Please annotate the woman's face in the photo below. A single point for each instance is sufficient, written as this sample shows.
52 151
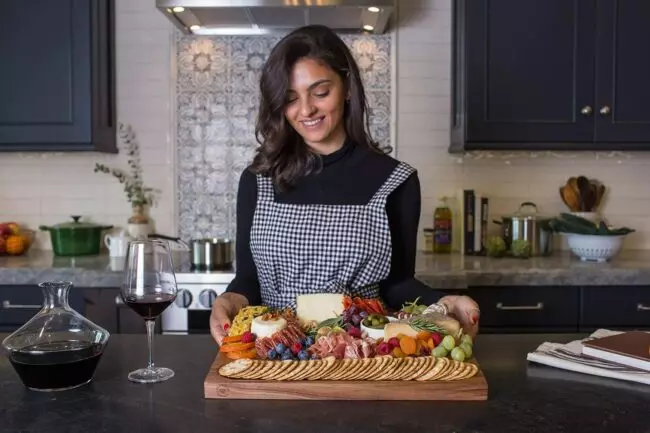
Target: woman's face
315 105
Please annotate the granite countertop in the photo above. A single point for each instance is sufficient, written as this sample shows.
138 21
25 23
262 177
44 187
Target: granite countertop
521 397
452 271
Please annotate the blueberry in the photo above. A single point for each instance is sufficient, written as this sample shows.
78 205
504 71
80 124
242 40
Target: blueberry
272 354
279 348
309 341
314 357
286 356
303 356
363 314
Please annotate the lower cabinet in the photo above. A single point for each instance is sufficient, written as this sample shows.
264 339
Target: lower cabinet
102 306
561 309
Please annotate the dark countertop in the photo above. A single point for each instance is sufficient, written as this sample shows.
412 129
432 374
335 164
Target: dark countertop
522 398
452 271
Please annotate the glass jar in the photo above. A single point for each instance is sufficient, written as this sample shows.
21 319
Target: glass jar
58 348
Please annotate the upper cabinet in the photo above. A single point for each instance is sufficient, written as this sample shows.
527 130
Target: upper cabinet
57 76
550 75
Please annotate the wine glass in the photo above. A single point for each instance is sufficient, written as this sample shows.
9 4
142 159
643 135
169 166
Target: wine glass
149 287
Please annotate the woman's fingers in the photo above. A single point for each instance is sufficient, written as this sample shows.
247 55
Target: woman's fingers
468 314
219 321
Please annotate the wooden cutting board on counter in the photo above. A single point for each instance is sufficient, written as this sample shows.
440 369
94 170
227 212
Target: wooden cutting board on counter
219 387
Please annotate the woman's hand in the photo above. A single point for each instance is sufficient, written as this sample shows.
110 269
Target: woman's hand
224 309
465 310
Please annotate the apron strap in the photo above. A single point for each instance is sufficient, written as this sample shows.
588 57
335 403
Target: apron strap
265 191
402 172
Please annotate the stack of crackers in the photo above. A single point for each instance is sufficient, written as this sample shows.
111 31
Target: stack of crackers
379 368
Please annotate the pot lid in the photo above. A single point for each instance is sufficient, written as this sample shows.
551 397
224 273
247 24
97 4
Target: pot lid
528 210
75 224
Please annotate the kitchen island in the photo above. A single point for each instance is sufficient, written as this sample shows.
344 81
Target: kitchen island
523 397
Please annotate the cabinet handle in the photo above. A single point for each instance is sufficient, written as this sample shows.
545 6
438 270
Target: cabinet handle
539 306
119 301
605 110
6 305
641 307
586 110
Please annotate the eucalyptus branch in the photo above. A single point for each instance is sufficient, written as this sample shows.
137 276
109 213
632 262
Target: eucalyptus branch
136 192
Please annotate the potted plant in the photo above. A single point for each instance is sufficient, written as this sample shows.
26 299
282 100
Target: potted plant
137 193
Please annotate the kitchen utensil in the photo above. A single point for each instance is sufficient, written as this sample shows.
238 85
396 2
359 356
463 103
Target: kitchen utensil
600 193
76 238
586 202
594 247
117 244
58 348
206 254
529 226
149 287
570 198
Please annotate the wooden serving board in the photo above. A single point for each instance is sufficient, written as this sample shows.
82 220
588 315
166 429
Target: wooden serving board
219 387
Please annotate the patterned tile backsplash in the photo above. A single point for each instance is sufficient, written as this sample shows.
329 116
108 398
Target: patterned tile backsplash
217 97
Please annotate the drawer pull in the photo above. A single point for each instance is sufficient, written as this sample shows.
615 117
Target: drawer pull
6 305
539 306
641 307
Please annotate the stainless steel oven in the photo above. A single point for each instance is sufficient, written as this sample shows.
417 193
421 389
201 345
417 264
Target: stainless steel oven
190 313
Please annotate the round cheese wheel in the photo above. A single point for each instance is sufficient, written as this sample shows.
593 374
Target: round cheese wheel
265 328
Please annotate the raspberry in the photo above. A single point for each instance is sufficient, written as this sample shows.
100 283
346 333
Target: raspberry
383 348
436 337
393 342
296 348
248 337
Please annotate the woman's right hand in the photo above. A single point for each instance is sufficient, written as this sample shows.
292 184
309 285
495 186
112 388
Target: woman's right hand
224 309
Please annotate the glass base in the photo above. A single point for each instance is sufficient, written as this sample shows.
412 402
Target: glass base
151 375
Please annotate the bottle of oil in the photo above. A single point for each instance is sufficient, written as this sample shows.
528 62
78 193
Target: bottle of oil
442 229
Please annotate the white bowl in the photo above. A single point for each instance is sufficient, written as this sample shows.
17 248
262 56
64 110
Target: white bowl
595 248
376 333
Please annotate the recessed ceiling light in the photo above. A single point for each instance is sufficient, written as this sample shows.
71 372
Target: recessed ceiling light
373 9
178 9
195 27
368 27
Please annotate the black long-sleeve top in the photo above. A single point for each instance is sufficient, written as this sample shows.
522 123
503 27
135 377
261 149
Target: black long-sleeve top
351 175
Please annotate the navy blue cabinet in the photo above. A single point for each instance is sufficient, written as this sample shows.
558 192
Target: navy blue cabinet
550 75
57 77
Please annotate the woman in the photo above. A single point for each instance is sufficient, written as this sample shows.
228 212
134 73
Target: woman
322 208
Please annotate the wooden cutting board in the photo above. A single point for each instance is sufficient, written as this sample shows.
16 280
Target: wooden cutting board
219 387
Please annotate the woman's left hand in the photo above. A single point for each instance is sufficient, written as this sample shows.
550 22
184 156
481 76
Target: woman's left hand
465 310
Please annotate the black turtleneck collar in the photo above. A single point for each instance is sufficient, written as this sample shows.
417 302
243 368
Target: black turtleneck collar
338 154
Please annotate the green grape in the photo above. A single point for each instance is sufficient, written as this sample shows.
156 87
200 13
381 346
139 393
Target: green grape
458 354
466 339
439 352
467 348
448 342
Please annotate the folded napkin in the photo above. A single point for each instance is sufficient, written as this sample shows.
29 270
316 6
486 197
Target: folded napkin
569 357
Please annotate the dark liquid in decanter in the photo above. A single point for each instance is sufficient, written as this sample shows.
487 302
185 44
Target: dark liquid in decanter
58 365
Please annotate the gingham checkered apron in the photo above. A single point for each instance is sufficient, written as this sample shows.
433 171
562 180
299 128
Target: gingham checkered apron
314 248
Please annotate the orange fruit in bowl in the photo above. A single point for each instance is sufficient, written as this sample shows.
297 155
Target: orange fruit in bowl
15 245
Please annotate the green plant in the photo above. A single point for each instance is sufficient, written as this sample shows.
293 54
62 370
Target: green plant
136 192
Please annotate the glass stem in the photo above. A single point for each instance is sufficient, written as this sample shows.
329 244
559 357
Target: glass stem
150 331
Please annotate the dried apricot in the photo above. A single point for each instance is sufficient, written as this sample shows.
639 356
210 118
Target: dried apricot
248 354
232 339
408 345
236 347
423 335
397 353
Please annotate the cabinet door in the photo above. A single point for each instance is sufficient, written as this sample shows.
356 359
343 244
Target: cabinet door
56 75
529 71
623 73
615 307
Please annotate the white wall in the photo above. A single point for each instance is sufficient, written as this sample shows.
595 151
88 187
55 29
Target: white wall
41 188
422 137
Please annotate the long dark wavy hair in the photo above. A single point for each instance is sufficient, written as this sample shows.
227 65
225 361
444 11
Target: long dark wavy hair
282 154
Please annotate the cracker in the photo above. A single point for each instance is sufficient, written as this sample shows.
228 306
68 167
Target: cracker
469 372
236 367
280 368
288 371
252 372
331 364
387 369
308 367
425 365
414 366
439 366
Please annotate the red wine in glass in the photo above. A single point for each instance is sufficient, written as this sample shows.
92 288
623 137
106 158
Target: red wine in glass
149 287
149 306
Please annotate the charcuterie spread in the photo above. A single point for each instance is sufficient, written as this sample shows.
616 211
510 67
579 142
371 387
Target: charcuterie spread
336 337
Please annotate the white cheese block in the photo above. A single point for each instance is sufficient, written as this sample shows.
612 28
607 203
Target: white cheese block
319 306
265 328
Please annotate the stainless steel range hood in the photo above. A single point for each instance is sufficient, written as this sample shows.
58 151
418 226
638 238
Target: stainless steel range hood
258 17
